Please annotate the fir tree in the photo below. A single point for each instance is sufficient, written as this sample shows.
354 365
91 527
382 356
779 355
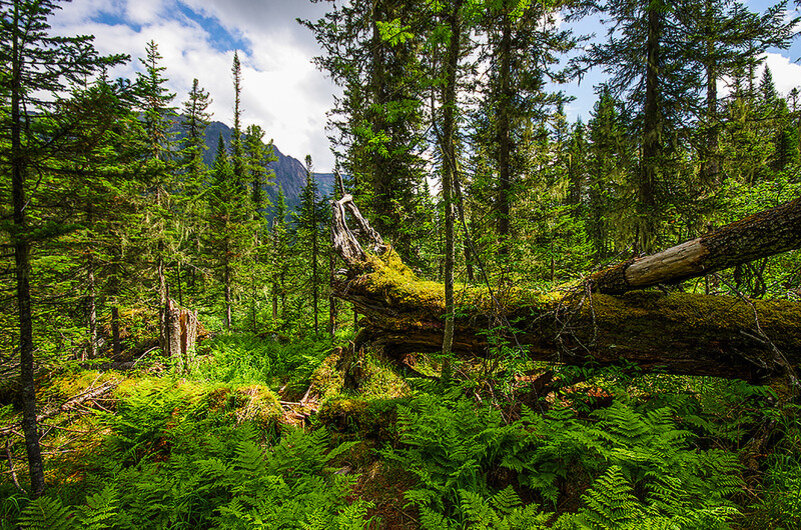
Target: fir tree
38 63
157 115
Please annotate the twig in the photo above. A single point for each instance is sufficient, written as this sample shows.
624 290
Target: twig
779 357
11 467
67 405
141 356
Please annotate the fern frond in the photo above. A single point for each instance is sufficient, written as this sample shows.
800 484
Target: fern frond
46 513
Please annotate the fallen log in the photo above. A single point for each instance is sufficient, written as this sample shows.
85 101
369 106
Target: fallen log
676 333
760 235
70 404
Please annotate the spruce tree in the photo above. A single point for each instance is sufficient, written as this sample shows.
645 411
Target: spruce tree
237 149
309 226
154 100
229 237
372 50
193 175
39 63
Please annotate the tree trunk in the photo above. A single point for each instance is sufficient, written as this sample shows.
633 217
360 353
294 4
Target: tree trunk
504 139
115 332
448 147
677 333
652 134
760 235
91 309
23 270
228 297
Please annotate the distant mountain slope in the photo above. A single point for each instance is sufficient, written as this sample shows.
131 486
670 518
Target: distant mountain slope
290 172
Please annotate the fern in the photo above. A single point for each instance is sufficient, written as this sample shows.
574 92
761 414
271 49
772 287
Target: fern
46 513
610 503
100 510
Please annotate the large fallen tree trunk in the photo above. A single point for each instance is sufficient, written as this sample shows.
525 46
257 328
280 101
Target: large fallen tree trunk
678 333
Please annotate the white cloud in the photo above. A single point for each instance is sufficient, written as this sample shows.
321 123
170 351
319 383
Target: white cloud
144 11
786 74
283 92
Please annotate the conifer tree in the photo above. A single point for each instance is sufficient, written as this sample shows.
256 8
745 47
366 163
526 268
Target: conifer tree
154 102
193 175
37 62
608 164
237 149
281 257
727 38
310 223
229 237
196 118
372 50
257 156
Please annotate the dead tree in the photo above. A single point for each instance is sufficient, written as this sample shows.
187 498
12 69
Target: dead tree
678 333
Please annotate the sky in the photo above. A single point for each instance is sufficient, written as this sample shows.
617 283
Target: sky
282 90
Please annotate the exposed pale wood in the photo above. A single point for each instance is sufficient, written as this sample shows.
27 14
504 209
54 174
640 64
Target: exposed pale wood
760 235
677 262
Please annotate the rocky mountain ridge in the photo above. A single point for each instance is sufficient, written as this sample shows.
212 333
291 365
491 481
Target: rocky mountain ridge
290 173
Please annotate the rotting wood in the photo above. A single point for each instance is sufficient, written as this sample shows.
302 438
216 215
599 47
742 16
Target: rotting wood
676 333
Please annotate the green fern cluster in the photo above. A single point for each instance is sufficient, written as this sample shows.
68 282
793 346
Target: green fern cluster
288 485
243 358
646 470
50 513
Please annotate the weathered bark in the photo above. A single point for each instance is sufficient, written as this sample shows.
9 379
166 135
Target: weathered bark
448 148
760 235
677 333
504 136
23 267
183 330
652 132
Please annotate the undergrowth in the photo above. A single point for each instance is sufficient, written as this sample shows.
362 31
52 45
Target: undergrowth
609 449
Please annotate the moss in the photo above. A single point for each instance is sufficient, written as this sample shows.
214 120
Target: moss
401 288
259 404
372 419
381 380
327 380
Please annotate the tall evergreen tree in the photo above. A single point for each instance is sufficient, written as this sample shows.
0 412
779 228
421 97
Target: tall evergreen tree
196 118
237 148
371 49
309 225
39 63
157 117
228 237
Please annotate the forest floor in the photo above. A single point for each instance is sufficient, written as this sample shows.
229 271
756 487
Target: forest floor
263 433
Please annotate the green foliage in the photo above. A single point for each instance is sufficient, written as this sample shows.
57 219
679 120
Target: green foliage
243 358
647 468
46 513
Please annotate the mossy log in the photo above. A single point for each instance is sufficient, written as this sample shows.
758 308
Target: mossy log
676 333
